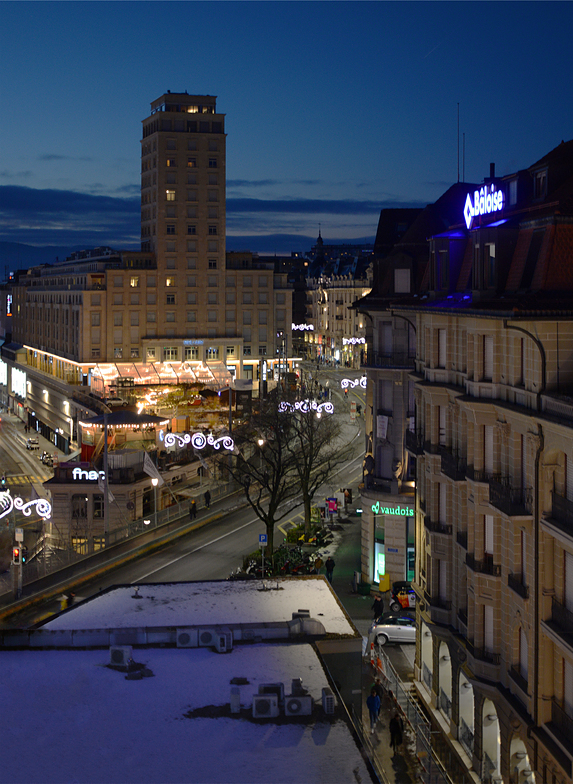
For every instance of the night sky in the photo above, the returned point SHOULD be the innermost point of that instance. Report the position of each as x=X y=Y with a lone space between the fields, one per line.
x=334 y=109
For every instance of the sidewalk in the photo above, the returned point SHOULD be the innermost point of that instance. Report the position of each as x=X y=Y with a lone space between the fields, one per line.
x=402 y=767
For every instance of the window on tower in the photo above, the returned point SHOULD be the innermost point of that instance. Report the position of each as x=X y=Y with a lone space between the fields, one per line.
x=170 y=195
x=171 y=162
x=212 y=163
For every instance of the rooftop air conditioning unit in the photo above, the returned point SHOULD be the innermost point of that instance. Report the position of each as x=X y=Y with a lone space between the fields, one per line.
x=298 y=706
x=187 y=638
x=301 y=614
x=273 y=688
x=119 y=655
x=221 y=641
x=328 y=702
x=265 y=706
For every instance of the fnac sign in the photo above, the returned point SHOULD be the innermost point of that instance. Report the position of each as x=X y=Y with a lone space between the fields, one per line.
x=486 y=201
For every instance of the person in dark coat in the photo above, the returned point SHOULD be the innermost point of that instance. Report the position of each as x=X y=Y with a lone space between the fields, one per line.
x=379 y=689
x=193 y=509
x=378 y=607
x=207 y=499
x=396 y=728
x=373 y=705
x=329 y=566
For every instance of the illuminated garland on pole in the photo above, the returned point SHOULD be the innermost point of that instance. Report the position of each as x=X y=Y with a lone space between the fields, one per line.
x=305 y=406
x=198 y=441
x=349 y=382
x=7 y=503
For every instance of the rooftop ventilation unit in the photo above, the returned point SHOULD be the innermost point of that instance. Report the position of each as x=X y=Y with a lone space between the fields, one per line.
x=273 y=688
x=328 y=702
x=298 y=706
x=187 y=638
x=301 y=614
x=265 y=706
x=119 y=655
x=221 y=641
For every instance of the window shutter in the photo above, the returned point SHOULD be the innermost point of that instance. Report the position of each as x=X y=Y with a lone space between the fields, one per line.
x=488 y=538
x=488 y=628
x=488 y=357
x=488 y=448
x=523 y=653
x=569 y=581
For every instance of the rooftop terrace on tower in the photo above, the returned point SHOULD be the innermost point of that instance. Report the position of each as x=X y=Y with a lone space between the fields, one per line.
x=184 y=103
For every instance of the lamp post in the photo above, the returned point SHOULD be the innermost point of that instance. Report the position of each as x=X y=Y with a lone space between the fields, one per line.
x=261 y=442
x=155 y=482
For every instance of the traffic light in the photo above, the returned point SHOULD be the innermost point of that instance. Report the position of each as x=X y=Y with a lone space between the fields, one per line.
x=16 y=555
x=3 y=481
x=23 y=554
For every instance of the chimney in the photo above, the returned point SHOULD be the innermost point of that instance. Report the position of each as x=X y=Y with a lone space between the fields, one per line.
x=492 y=171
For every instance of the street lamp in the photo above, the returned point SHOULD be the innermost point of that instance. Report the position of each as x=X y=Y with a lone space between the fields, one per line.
x=155 y=482
x=261 y=442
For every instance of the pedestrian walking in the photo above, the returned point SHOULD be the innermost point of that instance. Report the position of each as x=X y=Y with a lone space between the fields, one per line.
x=396 y=728
x=379 y=689
x=207 y=499
x=193 y=509
x=329 y=566
x=373 y=705
x=378 y=607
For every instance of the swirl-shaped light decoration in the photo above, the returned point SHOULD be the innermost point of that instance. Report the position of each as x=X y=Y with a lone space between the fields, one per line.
x=352 y=341
x=307 y=405
x=199 y=441
x=7 y=503
x=353 y=382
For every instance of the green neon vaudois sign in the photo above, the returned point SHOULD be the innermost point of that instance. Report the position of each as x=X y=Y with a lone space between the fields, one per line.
x=404 y=511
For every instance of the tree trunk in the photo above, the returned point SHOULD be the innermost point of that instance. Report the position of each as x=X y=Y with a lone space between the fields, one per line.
x=307 y=501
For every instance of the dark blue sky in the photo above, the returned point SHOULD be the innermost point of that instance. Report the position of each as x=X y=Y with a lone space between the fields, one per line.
x=334 y=109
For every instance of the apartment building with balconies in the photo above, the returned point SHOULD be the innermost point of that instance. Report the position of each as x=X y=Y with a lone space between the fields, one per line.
x=494 y=479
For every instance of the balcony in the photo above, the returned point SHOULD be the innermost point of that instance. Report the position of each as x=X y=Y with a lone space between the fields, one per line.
x=466 y=738
x=562 y=618
x=478 y=474
x=437 y=602
x=483 y=566
x=515 y=582
x=437 y=528
x=517 y=677
x=509 y=500
x=453 y=465
x=462 y=539
x=463 y=615
x=398 y=359
x=481 y=654
x=415 y=442
x=445 y=704
x=562 y=723
x=562 y=513
x=431 y=449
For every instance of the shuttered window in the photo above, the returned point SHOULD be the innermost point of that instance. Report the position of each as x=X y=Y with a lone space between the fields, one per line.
x=386 y=338
x=442 y=348
x=488 y=628
x=568 y=687
x=442 y=414
x=488 y=357
x=568 y=581
x=488 y=534
x=569 y=477
x=442 y=579
x=442 y=503
x=523 y=653
x=488 y=448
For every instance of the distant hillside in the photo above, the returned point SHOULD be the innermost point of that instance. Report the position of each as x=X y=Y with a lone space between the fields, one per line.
x=15 y=255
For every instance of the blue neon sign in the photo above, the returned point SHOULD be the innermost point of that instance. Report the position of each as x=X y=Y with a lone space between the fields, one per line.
x=485 y=201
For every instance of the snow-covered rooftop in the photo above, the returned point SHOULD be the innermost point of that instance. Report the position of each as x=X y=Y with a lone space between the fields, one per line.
x=66 y=717
x=201 y=603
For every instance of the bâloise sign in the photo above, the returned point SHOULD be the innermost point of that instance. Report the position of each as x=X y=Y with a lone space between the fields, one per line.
x=486 y=201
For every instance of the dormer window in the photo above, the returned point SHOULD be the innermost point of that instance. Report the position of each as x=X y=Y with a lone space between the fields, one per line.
x=540 y=184
x=401 y=281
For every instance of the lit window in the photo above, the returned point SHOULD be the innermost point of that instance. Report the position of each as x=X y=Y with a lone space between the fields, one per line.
x=169 y=353
x=213 y=353
x=191 y=163
x=134 y=282
x=118 y=353
x=191 y=353
x=230 y=351
x=151 y=352
x=170 y=195
x=246 y=351
x=170 y=281
x=134 y=352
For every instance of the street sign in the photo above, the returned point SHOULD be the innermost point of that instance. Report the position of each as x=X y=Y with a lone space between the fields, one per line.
x=262 y=541
x=19 y=534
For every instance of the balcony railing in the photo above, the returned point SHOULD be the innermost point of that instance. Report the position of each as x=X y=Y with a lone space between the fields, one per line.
x=483 y=565
x=562 y=512
x=427 y=676
x=482 y=654
x=436 y=527
x=437 y=602
x=561 y=616
x=415 y=441
x=463 y=615
x=445 y=704
x=509 y=500
x=562 y=721
x=431 y=449
x=515 y=582
x=462 y=539
x=374 y=359
x=453 y=465
x=478 y=474
x=515 y=675
x=466 y=738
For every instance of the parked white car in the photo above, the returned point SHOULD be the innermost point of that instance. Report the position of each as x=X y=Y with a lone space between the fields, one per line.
x=394 y=628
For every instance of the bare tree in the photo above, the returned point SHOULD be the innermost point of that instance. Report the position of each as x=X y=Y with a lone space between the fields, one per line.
x=317 y=447
x=264 y=467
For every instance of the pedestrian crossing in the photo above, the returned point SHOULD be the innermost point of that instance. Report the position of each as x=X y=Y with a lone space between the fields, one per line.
x=24 y=479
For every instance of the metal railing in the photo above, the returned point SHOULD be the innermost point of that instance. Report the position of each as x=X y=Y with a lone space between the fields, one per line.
x=466 y=738
x=445 y=703
x=515 y=675
x=508 y=499
x=562 y=512
x=515 y=582
x=52 y=556
x=562 y=721
x=483 y=565
x=561 y=616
